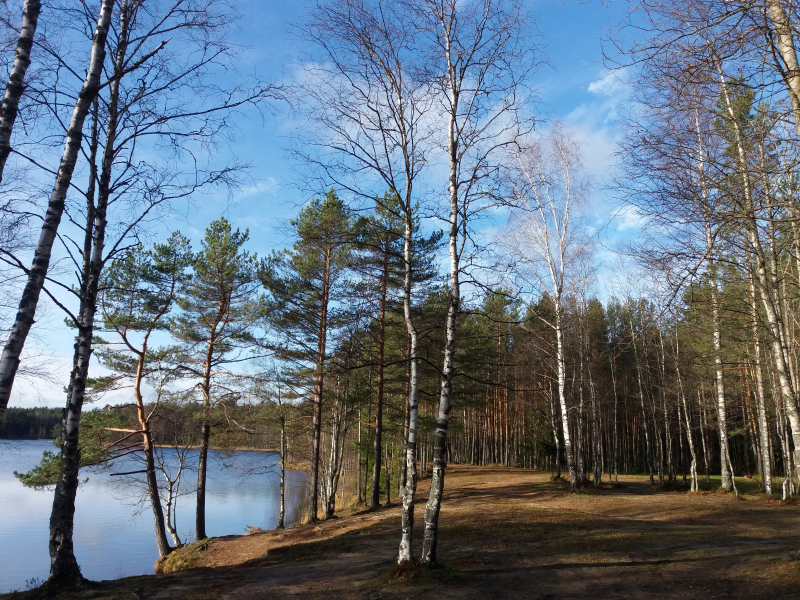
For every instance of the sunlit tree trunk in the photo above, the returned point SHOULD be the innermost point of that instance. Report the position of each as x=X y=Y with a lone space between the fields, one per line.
x=648 y=452
x=282 y=510
x=767 y=288
x=16 y=84
x=376 y=473
x=9 y=363
x=64 y=569
x=319 y=382
x=763 y=428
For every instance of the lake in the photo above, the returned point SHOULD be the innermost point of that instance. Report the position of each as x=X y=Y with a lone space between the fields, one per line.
x=114 y=532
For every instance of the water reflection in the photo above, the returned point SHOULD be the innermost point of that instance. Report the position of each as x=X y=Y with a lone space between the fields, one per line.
x=114 y=524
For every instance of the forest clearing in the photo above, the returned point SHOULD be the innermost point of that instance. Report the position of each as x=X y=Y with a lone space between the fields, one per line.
x=388 y=243
x=507 y=533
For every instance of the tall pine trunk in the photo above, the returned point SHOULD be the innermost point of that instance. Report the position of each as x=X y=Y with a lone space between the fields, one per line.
x=316 y=424
x=376 y=472
x=205 y=434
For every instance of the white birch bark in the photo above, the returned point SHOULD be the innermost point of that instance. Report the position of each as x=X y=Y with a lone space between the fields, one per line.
x=763 y=281
x=649 y=456
x=783 y=42
x=763 y=428
x=687 y=420
x=16 y=81
x=613 y=359
x=9 y=362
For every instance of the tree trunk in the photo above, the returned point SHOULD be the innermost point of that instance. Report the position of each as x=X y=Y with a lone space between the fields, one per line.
x=16 y=80
x=147 y=448
x=9 y=363
x=613 y=359
x=783 y=40
x=727 y=483
x=205 y=434
x=405 y=553
x=562 y=398
x=281 y=512
x=376 y=473
x=64 y=569
x=316 y=424
x=649 y=454
x=443 y=417
x=693 y=468
x=389 y=457
x=554 y=425
x=766 y=284
x=763 y=428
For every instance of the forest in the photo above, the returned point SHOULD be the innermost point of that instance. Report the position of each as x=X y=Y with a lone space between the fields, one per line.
x=444 y=296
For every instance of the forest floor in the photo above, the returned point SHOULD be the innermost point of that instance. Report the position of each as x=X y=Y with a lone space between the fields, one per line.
x=505 y=533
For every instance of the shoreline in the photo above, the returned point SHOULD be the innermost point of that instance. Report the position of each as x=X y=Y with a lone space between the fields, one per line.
x=302 y=466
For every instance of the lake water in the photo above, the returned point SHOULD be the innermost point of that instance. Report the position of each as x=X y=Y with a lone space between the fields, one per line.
x=114 y=532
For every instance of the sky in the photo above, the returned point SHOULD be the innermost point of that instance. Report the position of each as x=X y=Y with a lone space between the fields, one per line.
x=573 y=86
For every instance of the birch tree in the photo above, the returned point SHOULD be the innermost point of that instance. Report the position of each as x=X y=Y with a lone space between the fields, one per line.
x=548 y=189
x=9 y=362
x=367 y=98
x=16 y=79
x=478 y=58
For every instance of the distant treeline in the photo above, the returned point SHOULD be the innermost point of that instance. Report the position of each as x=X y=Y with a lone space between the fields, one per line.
x=30 y=423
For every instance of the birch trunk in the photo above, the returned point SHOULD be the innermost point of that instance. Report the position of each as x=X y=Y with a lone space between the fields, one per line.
x=171 y=501
x=454 y=298
x=703 y=426
x=649 y=454
x=16 y=80
x=554 y=425
x=688 y=422
x=767 y=288
x=405 y=553
x=783 y=42
x=720 y=381
x=64 y=569
x=9 y=362
x=763 y=428
x=562 y=398
x=282 y=511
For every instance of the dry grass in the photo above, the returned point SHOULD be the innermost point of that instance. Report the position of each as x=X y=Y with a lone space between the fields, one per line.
x=507 y=533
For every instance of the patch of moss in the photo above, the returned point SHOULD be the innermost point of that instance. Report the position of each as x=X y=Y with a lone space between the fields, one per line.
x=183 y=558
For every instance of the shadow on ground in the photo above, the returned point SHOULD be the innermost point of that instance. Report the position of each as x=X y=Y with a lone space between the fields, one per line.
x=509 y=533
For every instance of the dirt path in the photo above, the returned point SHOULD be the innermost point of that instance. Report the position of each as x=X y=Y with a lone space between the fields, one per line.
x=508 y=533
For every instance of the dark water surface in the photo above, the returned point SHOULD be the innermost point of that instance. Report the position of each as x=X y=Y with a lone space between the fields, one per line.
x=114 y=534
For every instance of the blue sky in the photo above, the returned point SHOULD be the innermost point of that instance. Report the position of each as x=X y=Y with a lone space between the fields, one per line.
x=574 y=86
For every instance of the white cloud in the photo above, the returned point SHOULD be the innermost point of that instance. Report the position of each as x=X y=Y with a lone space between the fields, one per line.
x=612 y=85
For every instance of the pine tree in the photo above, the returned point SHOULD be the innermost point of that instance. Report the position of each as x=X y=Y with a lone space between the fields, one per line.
x=306 y=286
x=220 y=308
